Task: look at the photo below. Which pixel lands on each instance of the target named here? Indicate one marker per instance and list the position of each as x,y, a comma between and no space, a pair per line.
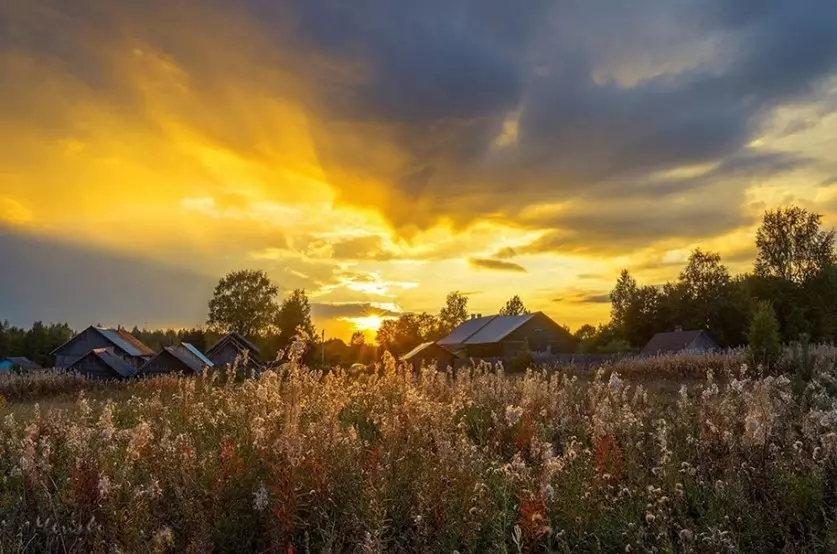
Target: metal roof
465,330
498,328
126,341
673,341
485,330
22,362
120,366
239,341
424,346
186,357
198,354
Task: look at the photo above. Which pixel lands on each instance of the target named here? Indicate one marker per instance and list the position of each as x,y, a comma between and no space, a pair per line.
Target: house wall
164,363
542,335
94,368
429,357
703,342
84,343
227,355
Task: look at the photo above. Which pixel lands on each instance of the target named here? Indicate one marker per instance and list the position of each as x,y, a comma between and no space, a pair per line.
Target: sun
368,323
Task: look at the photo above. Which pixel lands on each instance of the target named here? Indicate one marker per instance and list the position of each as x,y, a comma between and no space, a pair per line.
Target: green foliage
391,461
792,246
453,313
244,302
35,343
765,343
514,306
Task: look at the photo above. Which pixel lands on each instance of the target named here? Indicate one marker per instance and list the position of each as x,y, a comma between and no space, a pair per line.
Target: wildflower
650,518
104,486
513,414
260,498
163,539
615,382
549,492
686,535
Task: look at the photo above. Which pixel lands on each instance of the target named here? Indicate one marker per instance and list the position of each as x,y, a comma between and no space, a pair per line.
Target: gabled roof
422,347
117,364
117,337
486,330
673,341
22,362
197,353
239,341
187,358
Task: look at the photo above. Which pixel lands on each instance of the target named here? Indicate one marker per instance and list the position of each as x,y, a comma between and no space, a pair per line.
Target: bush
765,346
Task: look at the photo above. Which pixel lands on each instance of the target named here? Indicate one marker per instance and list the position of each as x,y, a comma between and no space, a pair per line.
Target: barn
233,347
501,336
680,341
183,358
119,341
103,364
429,353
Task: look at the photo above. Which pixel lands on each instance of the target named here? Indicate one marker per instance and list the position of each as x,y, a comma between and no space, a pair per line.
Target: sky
380,154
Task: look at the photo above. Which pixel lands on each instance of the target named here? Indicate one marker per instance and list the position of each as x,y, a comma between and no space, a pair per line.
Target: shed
504,336
680,341
103,364
429,353
183,358
234,347
17,363
119,341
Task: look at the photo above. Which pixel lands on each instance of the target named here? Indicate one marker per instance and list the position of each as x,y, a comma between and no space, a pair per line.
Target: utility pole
322,350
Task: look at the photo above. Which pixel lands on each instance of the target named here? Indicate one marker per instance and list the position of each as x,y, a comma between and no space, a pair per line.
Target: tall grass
395,462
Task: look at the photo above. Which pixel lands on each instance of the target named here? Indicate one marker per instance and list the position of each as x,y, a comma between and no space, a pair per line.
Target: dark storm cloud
43,280
496,265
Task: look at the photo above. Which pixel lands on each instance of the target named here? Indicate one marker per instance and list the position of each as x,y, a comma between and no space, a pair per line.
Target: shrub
765,345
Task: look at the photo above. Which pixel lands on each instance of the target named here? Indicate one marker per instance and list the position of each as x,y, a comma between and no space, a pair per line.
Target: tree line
794,276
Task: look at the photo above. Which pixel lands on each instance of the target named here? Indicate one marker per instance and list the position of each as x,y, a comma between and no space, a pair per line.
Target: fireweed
388,460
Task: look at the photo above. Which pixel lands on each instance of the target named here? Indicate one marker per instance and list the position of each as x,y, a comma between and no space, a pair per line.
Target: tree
294,317
792,246
514,307
453,313
358,339
765,343
244,302
621,297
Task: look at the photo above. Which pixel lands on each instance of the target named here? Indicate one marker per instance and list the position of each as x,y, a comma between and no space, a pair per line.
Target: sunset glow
152,147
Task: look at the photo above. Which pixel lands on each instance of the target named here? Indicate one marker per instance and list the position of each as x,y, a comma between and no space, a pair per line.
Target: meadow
686,453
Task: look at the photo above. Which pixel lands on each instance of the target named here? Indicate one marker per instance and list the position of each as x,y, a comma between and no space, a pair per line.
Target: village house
183,358
429,353
500,336
235,347
680,341
103,364
119,341
17,363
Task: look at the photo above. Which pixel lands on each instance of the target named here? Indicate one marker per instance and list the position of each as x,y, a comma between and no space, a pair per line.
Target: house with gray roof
183,358
119,341
429,353
103,364
235,348
501,336
17,363
680,341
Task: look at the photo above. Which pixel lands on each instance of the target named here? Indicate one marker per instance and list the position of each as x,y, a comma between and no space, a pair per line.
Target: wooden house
119,341
680,341
103,364
17,363
235,348
505,336
429,353
183,358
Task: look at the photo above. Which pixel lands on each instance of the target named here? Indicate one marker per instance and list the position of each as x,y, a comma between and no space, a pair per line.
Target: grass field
675,454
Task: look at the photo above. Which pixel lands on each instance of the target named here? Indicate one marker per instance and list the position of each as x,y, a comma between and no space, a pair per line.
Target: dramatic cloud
392,151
